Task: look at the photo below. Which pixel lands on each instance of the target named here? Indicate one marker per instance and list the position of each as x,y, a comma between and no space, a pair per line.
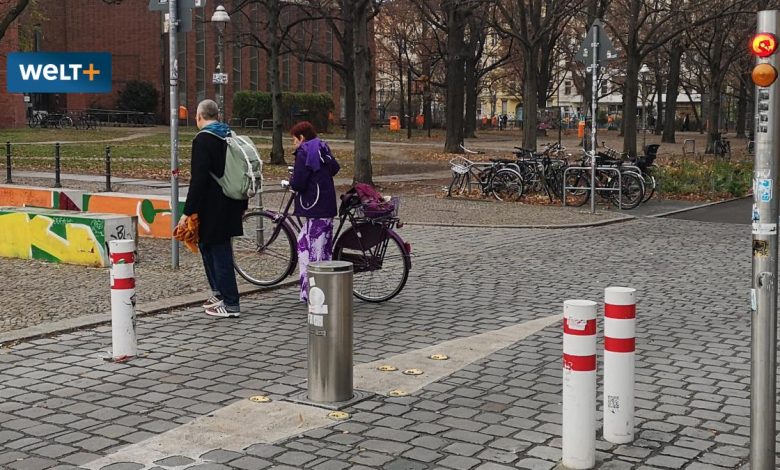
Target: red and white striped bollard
579,384
619,358
123,337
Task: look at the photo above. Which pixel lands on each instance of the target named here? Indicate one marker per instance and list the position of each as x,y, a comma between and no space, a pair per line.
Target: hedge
313,107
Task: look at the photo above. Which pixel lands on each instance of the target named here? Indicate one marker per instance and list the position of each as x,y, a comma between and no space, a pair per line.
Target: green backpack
243,168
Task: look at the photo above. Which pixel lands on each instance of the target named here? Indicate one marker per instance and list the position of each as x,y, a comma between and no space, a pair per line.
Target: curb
701,206
550,227
88,321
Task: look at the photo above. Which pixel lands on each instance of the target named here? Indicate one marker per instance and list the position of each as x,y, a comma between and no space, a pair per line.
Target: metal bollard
8,162
123,337
619,357
57,183
108,168
579,384
330,331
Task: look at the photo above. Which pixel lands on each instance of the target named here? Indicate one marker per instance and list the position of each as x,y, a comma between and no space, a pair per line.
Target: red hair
305,129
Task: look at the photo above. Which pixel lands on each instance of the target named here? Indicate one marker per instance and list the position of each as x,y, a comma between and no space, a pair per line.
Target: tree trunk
470,120
659,85
741,109
362,65
530,97
277,149
455,75
713,114
402,100
629,104
672,85
349,66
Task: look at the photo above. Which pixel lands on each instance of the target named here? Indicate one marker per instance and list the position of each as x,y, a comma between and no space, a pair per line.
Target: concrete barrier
32,196
153,212
61,236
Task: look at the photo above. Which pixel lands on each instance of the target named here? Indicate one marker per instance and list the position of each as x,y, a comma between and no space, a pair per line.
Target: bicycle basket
460,165
376,210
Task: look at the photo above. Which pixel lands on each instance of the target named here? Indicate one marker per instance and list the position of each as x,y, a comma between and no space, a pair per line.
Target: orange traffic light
764,75
763,44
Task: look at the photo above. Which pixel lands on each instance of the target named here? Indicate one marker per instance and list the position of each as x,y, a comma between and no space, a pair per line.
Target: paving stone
458,462
253,463
174,461
123,466
32,463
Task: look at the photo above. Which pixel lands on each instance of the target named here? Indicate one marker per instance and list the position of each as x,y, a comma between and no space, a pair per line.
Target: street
63,404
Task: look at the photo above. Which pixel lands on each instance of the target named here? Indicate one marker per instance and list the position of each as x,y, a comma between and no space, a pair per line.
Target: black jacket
220,216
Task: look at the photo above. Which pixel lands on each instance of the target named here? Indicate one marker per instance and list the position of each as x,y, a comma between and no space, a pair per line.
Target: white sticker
764,229
764,190
577,324
755,216
318,309
753,301
315,320
311,281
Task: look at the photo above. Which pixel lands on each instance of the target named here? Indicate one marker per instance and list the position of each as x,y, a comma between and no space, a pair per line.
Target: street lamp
643,73
220,18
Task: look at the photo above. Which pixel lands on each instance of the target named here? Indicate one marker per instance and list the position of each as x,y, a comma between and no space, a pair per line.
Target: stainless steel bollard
330,331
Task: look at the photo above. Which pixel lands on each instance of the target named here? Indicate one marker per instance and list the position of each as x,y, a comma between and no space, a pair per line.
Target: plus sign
91,72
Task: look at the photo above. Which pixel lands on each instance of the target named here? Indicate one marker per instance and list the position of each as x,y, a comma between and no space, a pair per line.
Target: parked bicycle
499,178
543,171
622,186
266,254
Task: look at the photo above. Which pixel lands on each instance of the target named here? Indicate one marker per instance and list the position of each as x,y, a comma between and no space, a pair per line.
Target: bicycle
622,186
266,254
500,177
722,147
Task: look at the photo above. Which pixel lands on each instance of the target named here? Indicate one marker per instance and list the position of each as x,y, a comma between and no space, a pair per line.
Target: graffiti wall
31,196
153,212
61,236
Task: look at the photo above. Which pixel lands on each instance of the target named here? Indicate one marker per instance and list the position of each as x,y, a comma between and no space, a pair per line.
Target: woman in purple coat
315,198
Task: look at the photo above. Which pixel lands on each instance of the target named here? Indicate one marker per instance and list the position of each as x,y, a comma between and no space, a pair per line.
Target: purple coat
312,180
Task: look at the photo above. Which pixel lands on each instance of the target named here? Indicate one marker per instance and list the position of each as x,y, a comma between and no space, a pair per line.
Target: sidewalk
62,406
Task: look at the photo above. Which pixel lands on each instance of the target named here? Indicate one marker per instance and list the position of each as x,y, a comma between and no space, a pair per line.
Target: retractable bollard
619,357
579,384
57,183
8,162
123,338
108,168
330,331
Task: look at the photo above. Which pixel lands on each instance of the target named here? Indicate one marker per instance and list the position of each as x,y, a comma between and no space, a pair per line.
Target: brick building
139,47
12,106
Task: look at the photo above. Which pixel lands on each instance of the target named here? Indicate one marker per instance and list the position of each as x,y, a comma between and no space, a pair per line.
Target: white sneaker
212,302
221,311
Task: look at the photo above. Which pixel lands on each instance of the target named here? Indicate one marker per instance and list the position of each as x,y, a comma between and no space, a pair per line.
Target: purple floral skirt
315,243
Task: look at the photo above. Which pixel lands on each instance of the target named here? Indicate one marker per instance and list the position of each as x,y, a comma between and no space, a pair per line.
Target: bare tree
277,24
364,10
536,25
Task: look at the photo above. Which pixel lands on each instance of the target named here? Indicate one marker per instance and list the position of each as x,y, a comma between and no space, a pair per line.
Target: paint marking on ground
233,427
461,352
244,423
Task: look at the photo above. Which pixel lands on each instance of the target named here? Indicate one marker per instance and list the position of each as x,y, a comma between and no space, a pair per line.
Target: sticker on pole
764,229
577,324
764,190
315,320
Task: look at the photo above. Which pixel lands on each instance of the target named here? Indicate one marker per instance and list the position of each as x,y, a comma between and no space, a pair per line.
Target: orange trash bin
395,123
183,113
581,129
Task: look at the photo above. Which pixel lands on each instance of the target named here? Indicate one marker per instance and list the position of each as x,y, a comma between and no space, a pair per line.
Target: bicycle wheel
458,184
65,122
631,192
265,255
380,261
506,185
650,185
577,188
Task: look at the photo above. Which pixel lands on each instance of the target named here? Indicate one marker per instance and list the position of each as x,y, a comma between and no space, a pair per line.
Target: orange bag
187,233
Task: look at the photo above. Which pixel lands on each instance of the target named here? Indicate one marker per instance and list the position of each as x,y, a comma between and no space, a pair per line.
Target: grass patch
715,178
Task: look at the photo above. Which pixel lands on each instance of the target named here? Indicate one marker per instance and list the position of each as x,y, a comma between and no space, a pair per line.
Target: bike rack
593,185
685,146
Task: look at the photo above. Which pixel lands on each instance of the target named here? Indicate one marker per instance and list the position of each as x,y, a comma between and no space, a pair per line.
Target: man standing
219,215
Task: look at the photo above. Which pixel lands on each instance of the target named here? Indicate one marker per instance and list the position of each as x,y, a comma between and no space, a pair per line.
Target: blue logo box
59,72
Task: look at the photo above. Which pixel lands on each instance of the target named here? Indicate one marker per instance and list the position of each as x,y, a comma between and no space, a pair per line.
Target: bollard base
303,399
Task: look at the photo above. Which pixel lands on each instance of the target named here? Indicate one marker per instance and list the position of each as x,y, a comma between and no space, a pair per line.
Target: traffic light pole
174,99
763,365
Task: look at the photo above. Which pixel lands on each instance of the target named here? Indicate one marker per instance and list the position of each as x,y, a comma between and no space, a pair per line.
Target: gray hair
208,110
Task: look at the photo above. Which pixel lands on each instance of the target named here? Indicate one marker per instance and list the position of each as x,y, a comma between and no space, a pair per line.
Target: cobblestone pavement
70,291
62,406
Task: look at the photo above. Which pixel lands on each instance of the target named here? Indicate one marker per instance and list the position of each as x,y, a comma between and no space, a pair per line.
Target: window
503,105
315,67
200,55
567,87
254,69
329,70
604,87
237,52
301,74
182,60
286,72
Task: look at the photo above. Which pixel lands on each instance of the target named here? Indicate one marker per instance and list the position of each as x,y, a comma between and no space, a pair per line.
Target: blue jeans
218,263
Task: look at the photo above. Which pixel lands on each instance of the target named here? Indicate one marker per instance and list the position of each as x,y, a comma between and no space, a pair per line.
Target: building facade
138,43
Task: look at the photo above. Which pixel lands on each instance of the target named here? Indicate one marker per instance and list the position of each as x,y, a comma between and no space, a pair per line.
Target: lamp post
220,18
643,73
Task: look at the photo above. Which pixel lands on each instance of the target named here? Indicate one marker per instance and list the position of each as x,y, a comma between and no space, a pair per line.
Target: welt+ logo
59,72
